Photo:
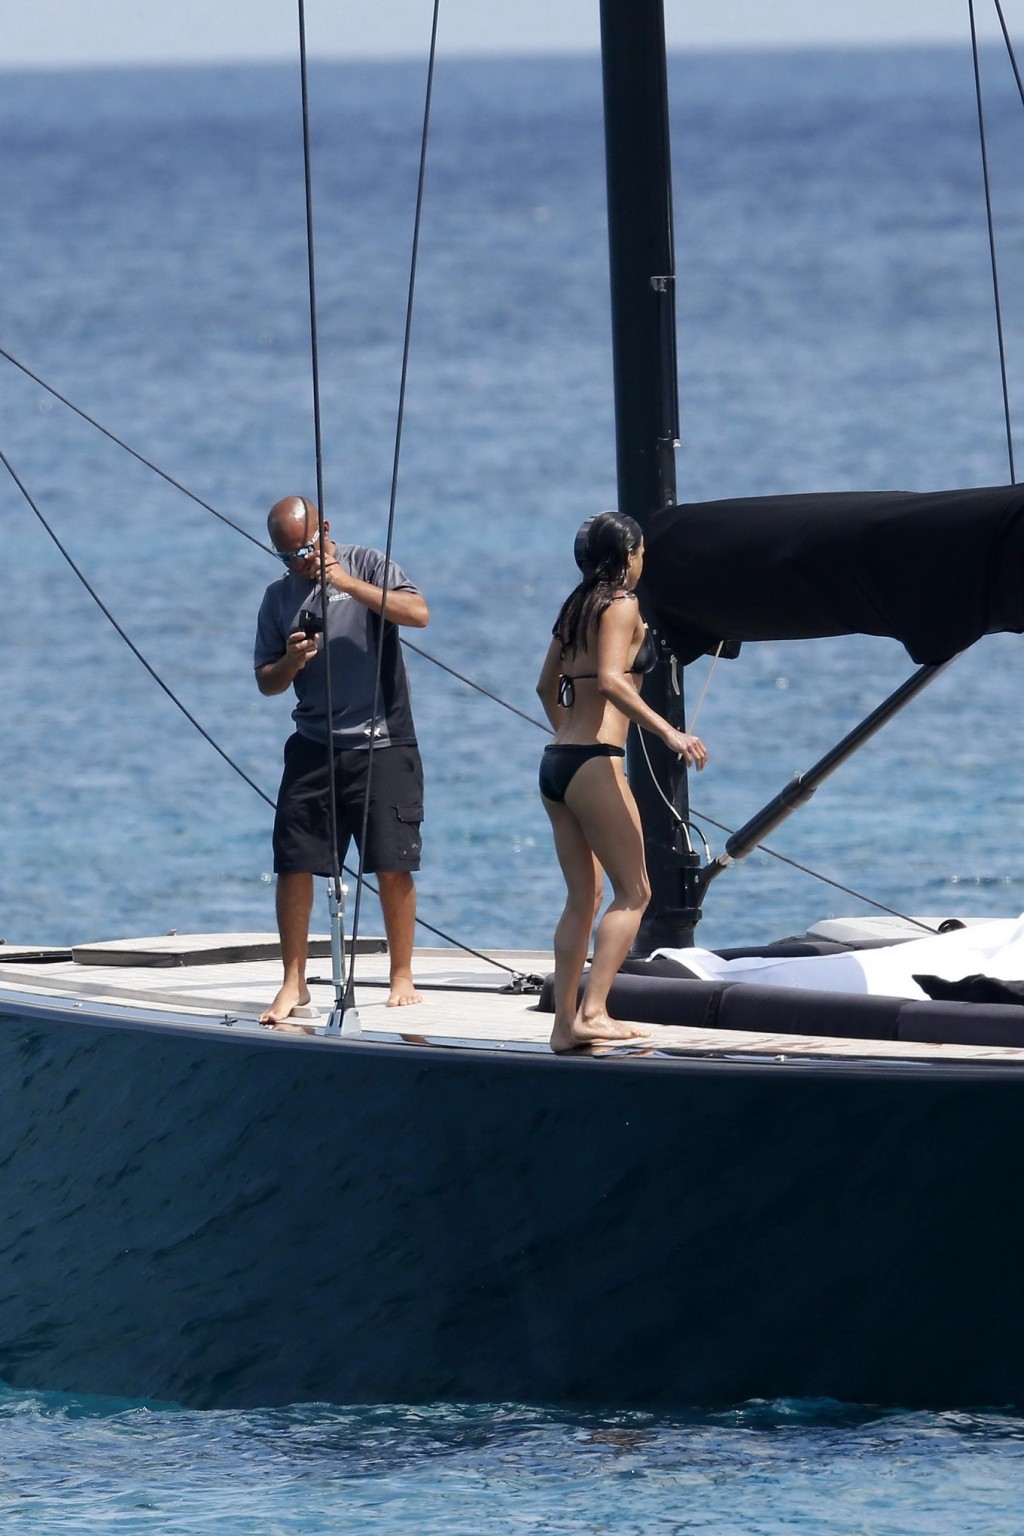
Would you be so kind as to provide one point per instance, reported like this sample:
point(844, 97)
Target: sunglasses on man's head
point(288, 555)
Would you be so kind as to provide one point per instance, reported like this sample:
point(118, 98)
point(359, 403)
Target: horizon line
point(486, 55)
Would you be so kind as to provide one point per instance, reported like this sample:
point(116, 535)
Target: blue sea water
point(95, 1468)
point(835, 330)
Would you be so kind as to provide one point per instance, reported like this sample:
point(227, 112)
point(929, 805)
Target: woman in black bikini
point(590, 688)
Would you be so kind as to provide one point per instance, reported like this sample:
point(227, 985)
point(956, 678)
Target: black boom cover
point(936, 570)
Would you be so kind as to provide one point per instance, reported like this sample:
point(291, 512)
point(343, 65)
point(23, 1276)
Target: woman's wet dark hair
point(602, 549)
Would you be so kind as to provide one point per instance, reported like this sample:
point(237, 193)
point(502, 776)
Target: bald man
point(289, 653)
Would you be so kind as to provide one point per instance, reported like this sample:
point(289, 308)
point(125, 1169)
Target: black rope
point(420, 921)
point(361, 879)
point(815, 874)
point(307, 161)
point(399, 424)
point(504, 704)
point(685, 827)
point(983, 144)
point(847, 890)
point(267, 549)
point(541, 725)
point(129, 449)
point(1010, 51)
point(129, 642)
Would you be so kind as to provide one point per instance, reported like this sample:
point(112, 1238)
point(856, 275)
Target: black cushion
point(646, 999)
point(957, 1023)
point(801, 1011)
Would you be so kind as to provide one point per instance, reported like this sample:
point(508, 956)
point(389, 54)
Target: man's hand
point(278, 675)
point(309, 568)
point(399, 604)
point(299, 649)
point(402, 607)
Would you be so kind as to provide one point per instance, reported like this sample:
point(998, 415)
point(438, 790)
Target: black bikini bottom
point(560, 764)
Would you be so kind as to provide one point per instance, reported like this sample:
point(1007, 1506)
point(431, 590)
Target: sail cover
point(936, 570)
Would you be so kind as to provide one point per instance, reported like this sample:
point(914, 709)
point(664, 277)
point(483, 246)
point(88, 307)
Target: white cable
point(707, 681)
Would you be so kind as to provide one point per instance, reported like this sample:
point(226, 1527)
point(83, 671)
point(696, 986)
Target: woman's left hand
point(690, 748)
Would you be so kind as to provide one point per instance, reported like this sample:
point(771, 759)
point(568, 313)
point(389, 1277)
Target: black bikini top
point(644, 661)
point(646, 658)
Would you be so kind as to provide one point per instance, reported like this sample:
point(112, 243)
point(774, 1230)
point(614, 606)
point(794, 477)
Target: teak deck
point(465, 1001)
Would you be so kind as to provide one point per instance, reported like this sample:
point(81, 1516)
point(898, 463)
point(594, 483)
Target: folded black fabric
point(936, 569)
point(973, 989)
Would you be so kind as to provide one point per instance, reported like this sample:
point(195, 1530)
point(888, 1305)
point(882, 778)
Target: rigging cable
point(513, 709)
point(685, 828)
point(399, 424)
point(341, 1001)
point(983, 144)
point(707, 684)
point(420, 921)
point(230, 523)
point(1010, 51)
point(426, 655)
point(129, 642)
point(503, 703)
point(129, 449)
point(124, 635)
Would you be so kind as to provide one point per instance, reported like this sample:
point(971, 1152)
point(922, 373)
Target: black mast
point(642, 267)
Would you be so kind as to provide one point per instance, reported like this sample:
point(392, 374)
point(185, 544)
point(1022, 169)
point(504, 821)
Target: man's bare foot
point(599, 1029)
point(289, 997)
point(403, 992)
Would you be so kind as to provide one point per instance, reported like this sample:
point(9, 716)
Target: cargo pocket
point(410, 842)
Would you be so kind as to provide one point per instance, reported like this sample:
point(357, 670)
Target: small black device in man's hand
point(310, 623)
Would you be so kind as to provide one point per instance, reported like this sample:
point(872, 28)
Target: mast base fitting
point(670, 925)
point(344, 1021)
point(673, 929)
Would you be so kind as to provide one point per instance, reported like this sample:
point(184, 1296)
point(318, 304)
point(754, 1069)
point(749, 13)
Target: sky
point(74, 32)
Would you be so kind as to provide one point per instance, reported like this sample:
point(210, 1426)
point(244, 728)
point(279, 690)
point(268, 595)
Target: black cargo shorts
point(302, 835)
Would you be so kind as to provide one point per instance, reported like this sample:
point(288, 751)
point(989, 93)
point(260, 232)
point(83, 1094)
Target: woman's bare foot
point(403, 992)
point(598, 1029)
point(289, 997)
